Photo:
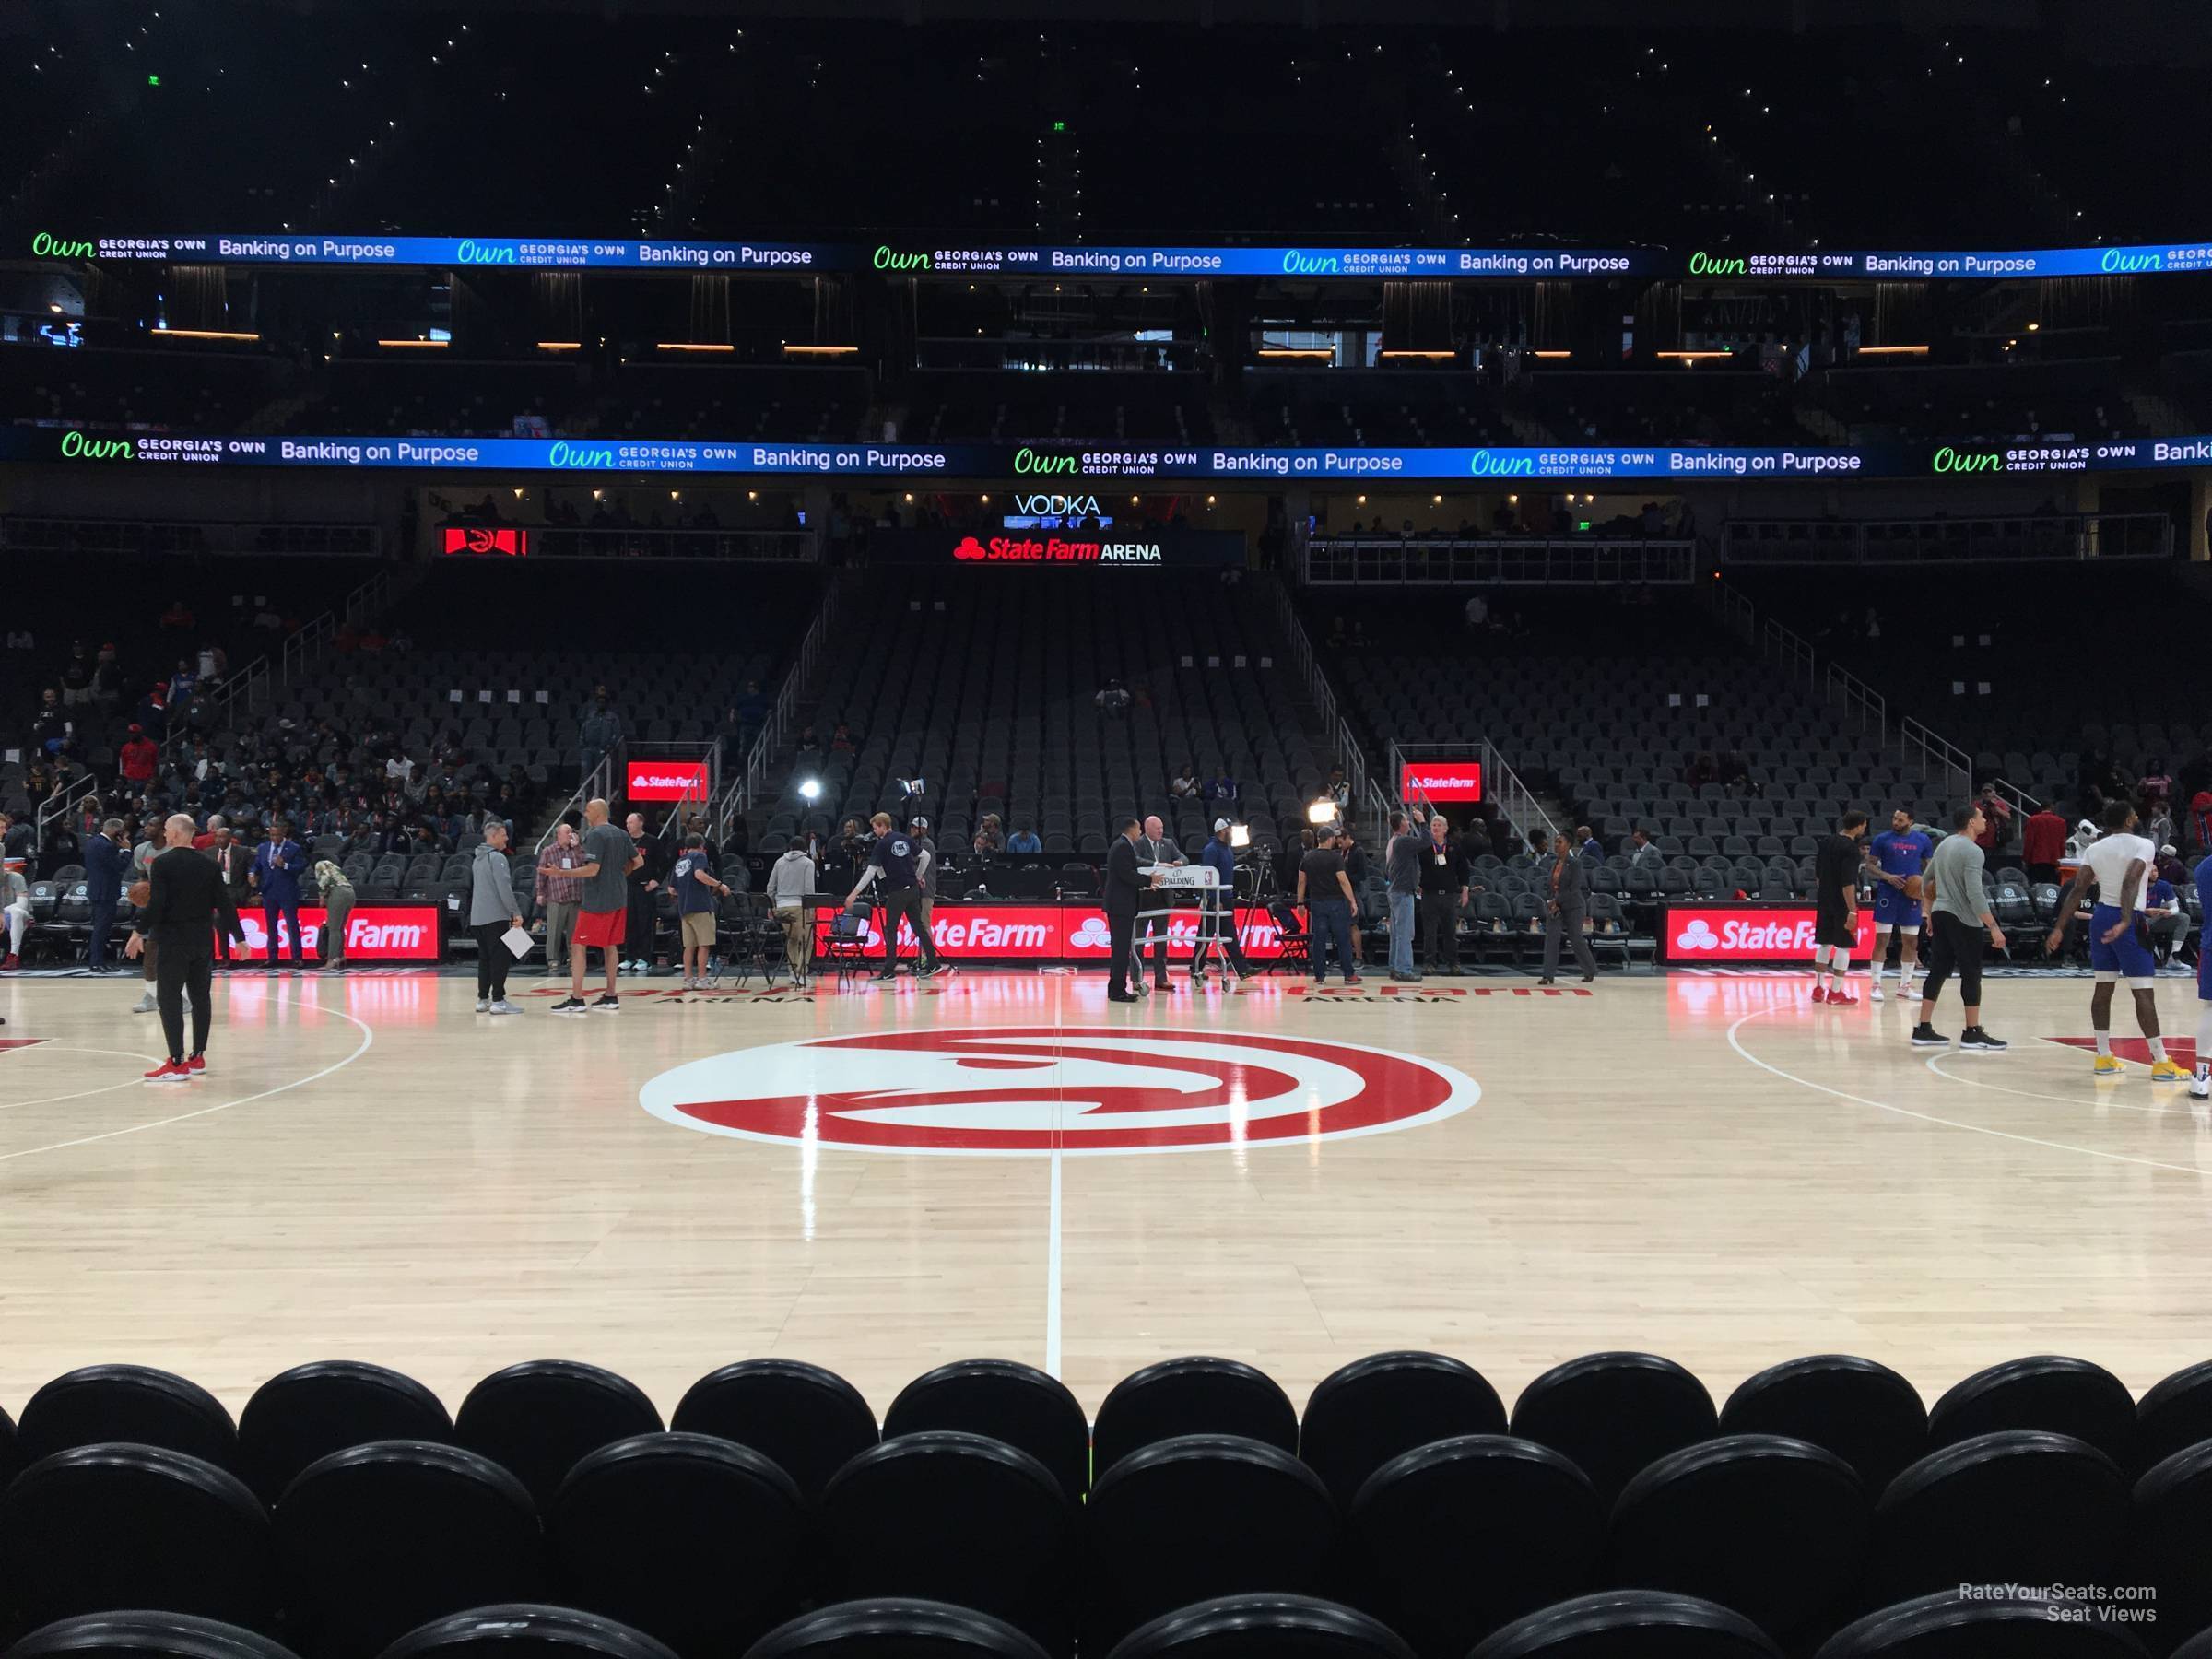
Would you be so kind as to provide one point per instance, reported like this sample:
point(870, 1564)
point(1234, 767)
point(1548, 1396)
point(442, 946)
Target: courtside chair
point(1027, 1408)
point(1263, 1627)
point(1364, 1414)
point(1194, 1394)
point(377, 1539)
point(1630, 1624)
point(523, 1631)
point(127, 1403)
point(1944, 1627)
point(1774, 1528)
point(324, 1406)
point(2047, 1391)
point(139, 1635)
point(1453, 1539)
point(806, 1420)
point(539, 1418)
point(2015, 1507)
point(2175, 1414)
point(1613, 1413)
point(895, 1628)
point(1202, 1516)
point(2169, 1546)
point(123, 1526)
point(690, 1539)
point(958, 1518)
point(1863, 1412)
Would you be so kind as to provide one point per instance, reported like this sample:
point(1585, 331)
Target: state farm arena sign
point(398, 933)
point(1034, 932)
point(1695, 935)
point(666, 779)
point(1054, 549)
point(1441, 781)
point(1033, 1090)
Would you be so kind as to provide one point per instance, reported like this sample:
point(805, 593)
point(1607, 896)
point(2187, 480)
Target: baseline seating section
point(1613, 1509)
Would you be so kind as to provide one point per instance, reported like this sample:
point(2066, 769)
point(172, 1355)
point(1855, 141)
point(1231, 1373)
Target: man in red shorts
point(609, 855)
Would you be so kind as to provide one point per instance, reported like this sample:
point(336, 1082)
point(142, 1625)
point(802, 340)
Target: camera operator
point(1218, 922)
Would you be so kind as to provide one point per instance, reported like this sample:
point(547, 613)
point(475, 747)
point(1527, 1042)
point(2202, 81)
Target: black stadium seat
point(2169, 1542)
point(1630, 1624)
point(1614, 1413)
point(2176, 1414)
point(127, 1403)
point(1191, 1395)
point(1262, 1626)
point(895, 1628)
point(538, 1419)
point(1025, 1408)
point(11, 1452)
point(806, 1420)
point(1944, 1626)
point(118, 1526)
point(1862, 1411)
point(687, 1537)
point(2047, 1391)
point(324, 1406)
point(137, 1635)
point(1364, 1414)
point(376, 1539)
point(1453, 1539)
point(525, 1630)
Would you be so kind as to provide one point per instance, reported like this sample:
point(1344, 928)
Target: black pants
point(493, 960)
point(103, 933)
point(1955, 947)
point(186, 962)
point(1154, 932)
point(290, 911)
point(1218, 927)
point(894, 902)
point(1440, 918)
point(638, 932)
point(1568, 922)
point(1121, 932)
point(2039, 873)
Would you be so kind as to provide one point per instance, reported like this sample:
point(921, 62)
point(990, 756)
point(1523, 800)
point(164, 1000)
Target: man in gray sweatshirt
point(490, 914)
point(790, 880)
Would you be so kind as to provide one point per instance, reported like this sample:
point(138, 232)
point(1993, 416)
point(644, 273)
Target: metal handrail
point(742, 785)
point(2053, 537)
point(596, 785)
point(1932, 750)
point(1346, 752)
point(1790, 650)
point(1494, 561)
point(1502, 783)
point(55, 807)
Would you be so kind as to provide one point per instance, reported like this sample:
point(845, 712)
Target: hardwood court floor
point(1703, 1166)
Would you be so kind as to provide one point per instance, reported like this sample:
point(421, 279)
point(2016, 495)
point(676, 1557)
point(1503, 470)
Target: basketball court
point(1005, 1164)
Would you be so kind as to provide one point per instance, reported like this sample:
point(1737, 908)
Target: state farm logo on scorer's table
point(1025, 1090)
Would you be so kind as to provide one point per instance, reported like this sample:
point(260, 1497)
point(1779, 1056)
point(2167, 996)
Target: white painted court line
point(1051, 1275)
point(2029, 1094)
point(1926, 1117)
point(60, 1048)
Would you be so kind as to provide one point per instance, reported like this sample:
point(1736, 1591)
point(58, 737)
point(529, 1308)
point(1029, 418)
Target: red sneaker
point(196, 1066)
point(1842, 999)
point(1820, 993)
point(9, 963)
point(169, 1071)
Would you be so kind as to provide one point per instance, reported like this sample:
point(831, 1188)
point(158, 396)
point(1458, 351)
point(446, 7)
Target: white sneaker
point(145, 1005)
point(1904, 990)
point(483, 1005)
point(1875, 992)
point(504, 1007)
point(2200, 1087)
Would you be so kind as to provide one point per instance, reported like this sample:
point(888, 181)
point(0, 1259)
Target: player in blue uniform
point(2200, 1086)
point(1899, 854)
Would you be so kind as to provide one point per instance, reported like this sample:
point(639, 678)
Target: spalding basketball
point(1912, 888)
point(141, 891)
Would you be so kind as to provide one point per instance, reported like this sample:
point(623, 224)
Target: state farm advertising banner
point(1439, 781)
point(1125, 545)
point(396, 933)
point(1692, 934)
point(1033, 932)
point(666, 779)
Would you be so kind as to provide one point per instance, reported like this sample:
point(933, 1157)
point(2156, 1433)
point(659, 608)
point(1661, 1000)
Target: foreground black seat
point(315, 1409)
point(2019, 1507)
point(100, 1527)
point(2048, 1392)
point(806, 1420)
point(2169, 1542)
point(1863, 1412)
point(132, 1403)
point(1456, 1539)
point(1262, 1626)
point(1774, 1528)
point(537, 1420)
point(1944, 1627)
point(2175, 1414)
point(1630, 1624)
point(1614, 1413)
point(1027, 1408)
point(376, 1539)
point(893, 1628)
point(525, 1631)
point(1198, 1516)
point(11, 1454)
point(955, 1518)
point(1364, 1414)
point(688, 1538)
point(146, 1636)
point(1192, 1395)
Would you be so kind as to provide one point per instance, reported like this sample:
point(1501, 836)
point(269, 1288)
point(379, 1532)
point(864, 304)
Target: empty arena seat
point(2044, 1391)
point(1456, 1538)
point(687, 1537)
point(1945, 1626)
point(525, 1631)
point(376, 1539)
point(1194, 1394)
point(324, 1406)
point(1774, 1528)
point(1630, 1624)
point(2175, 1414)
point(894, 1627)
point(1614, 1413)
point(1017, 1404)
point(537, 1420)
point(1202, 1516)
point(806, 1420)
point(132, 1403)
point(2014, 1507)
point(1863, 1412)
point(139, 1635)
point(1364, 1414)
point(117, 1526)
point(1263, 1627)
point(957, 1518)
point(2169, 1544)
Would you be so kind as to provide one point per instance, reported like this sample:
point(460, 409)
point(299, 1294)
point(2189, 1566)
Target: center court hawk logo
point(1026, 1090)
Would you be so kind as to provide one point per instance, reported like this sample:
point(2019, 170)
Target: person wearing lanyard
point(1443, 868)
point(895, 866)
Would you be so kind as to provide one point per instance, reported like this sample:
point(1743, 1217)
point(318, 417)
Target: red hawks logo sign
point(482, 541)
point(1027, 1090)
point(1691, 933)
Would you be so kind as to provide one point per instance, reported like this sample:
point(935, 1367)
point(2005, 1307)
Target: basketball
point(141, 891)
point(1912, 888)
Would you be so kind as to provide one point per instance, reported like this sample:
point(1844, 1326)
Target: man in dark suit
point(187, 904)
point(1567, 904)
point(105, 863)
point(1123, 888)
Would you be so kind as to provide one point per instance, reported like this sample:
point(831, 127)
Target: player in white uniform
point(2118, 864)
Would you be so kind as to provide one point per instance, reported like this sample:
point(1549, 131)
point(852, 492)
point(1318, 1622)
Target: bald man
point(1156, 854)
point(188, 902)
point(609, 855)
